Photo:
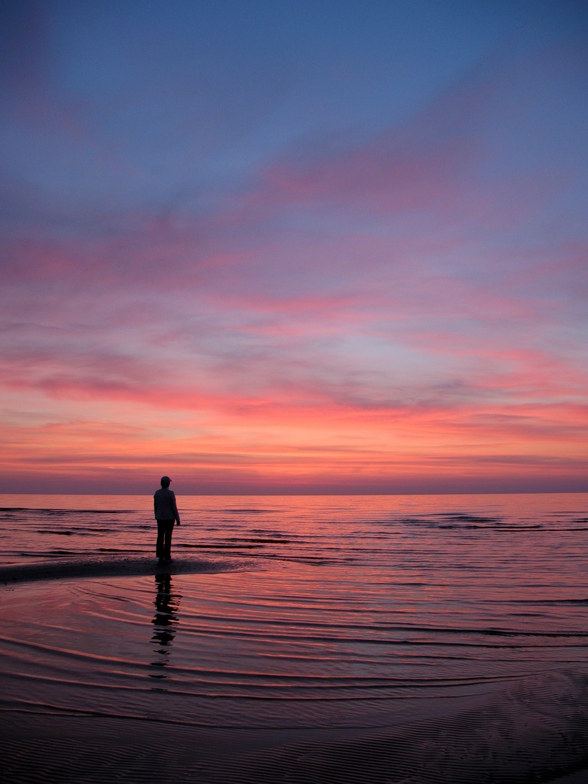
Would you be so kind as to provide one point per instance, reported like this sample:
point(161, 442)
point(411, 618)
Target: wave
point(57, 511)
point(79, 530)
point(243, 510)
point(111, 567)
point(464, 517)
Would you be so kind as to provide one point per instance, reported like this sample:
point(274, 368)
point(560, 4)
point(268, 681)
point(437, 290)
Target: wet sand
point(111, 567)
point(580, 777)
point(535, 732)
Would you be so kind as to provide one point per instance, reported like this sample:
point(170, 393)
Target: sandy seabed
point(509, 737)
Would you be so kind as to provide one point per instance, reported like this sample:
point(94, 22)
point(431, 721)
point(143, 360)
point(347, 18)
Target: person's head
point(165, 480)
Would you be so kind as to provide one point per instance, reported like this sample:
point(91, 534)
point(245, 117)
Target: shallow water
point(316, 612)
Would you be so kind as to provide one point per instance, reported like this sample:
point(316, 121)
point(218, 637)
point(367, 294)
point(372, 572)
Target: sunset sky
point(294, 246)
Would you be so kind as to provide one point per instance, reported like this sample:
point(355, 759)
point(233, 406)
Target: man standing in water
point(166, 513)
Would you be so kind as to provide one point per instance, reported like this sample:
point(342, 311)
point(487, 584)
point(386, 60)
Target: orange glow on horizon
point(301, 449)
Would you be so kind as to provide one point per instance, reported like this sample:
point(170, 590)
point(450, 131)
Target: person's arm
point(176, 513)
point(155, 505)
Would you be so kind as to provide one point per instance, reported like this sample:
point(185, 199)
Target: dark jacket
point(164, 502)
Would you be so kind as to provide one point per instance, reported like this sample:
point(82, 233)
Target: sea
point(332, 614)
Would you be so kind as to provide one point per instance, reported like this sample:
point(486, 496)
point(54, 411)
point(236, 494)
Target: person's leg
point(168, 539)
point(159, 547)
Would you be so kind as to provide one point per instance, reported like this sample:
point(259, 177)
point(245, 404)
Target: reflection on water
point(164, 623)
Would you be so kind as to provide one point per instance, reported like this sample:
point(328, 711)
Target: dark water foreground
point(534, 731)
point(204, 674)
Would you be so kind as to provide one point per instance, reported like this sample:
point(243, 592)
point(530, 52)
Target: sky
point(268, 246)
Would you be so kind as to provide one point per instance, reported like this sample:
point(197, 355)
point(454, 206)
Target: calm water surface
point(316, 611)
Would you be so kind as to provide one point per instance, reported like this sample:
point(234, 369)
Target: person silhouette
point(166, 514)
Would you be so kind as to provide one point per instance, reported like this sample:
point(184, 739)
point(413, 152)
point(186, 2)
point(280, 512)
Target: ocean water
point(347, 613)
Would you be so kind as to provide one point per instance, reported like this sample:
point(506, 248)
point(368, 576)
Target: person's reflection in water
point(164, 623)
